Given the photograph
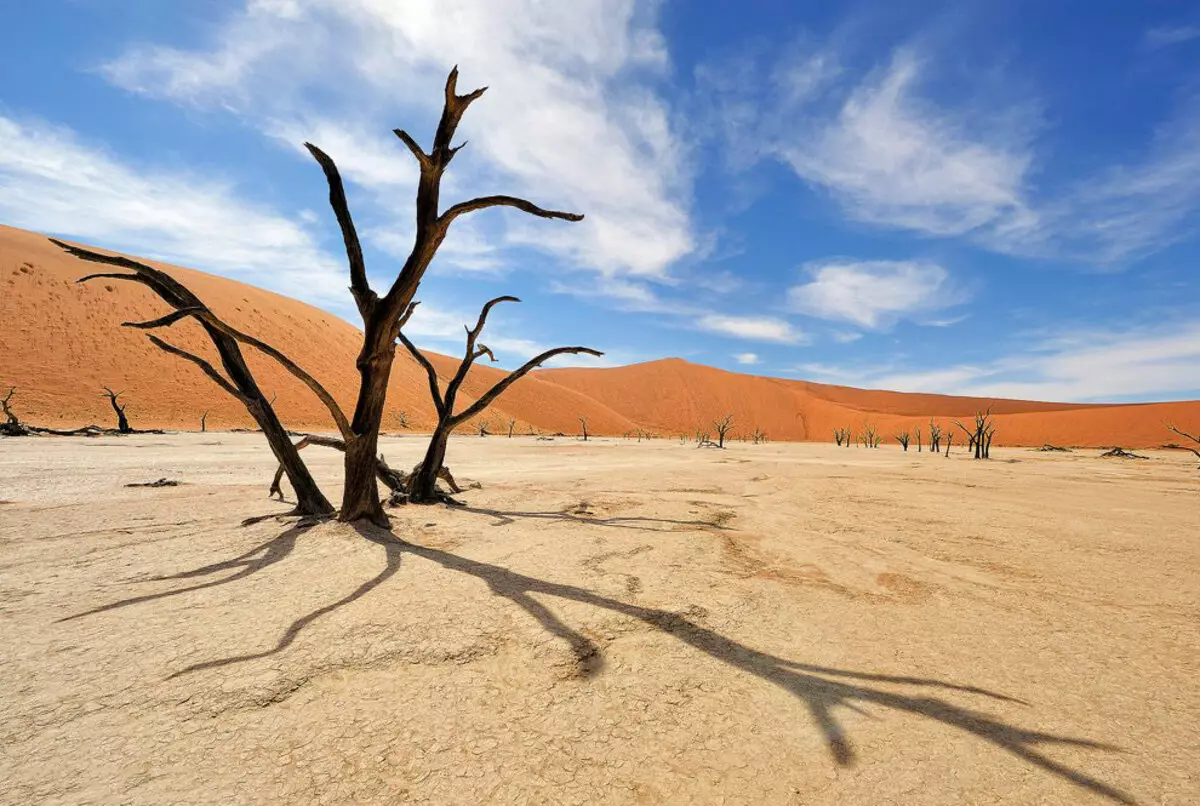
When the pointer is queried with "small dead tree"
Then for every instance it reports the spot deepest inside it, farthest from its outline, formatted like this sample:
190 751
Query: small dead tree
119 408
583 425
840 435
511 425
1193 437
979 437
759 436
917 437
871 437
422 486
903 439
482 427
722 427
402 417
12 426
949 442
238 381
204 422
935 436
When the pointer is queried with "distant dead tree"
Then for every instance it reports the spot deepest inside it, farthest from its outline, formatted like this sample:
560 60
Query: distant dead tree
979 437
871 437
422 487
12 426
935 436
482 427
949 442
759 436
583 425
402 417
1193 437
238 380
383 316
722 427
204 422
119 408
511 425
840 435
917 437
903 439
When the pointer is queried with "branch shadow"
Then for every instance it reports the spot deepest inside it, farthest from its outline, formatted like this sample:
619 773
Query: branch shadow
508 517
251 562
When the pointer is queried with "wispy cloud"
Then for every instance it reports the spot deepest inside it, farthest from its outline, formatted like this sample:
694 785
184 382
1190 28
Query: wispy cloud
572 121
1170 35
747 358
875 294
1085 366
53 181
752 328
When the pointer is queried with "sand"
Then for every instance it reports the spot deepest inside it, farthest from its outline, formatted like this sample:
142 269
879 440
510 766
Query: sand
61 341
609 622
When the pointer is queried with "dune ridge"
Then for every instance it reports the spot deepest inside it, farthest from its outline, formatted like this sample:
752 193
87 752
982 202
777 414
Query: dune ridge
60 342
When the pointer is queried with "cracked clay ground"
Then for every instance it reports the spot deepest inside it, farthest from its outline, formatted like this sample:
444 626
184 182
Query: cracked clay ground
612 622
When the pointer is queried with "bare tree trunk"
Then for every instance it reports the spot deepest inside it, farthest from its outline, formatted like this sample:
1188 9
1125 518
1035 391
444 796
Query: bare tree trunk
583 423
204 422
122 420
422 487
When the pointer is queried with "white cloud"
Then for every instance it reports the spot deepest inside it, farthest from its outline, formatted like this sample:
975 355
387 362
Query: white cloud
571 121
747 358
1170 35
752 328
873 294
52 181
891 158
1091 366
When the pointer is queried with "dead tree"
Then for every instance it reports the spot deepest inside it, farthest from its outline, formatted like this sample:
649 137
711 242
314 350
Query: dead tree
979 437
204 423
511 425
759 436
722 427
583 424
903 438
122 420
840 435
12 425
394 480
482 427
1193 437
935 436
917 437
403 418
238 381
949 442
422 487
871 437
383 316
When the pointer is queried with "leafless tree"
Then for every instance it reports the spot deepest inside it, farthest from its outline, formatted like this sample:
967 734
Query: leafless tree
482 427
238 381
722 427
903 439
204 422
979 437
383 316
871 437
759 436
422 486
12 425
840 435
583 425
949 442
935 436
1193 437
512 423
119 408
402 417
917 437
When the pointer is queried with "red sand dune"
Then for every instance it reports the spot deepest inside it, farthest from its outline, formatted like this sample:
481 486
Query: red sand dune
60 342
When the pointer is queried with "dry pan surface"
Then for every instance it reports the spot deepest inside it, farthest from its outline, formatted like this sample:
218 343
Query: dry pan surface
609 622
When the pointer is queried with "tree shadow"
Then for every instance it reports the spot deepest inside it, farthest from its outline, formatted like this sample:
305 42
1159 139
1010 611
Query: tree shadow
251 562
507 517
821 689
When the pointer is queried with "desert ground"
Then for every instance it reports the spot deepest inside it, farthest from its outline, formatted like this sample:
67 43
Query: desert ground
604 622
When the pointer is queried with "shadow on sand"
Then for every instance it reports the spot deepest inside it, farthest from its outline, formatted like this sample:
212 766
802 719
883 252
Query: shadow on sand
820 689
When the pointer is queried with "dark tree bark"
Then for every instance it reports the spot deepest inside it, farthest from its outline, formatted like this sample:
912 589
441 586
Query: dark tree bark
917 437
583 423
204 422
12 425
382 316
422 488
722 427
935 437
949 442
240 382
979 437
511 425
903 439
122 420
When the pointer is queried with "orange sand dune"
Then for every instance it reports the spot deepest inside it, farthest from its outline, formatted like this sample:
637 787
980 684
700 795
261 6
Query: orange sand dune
60 342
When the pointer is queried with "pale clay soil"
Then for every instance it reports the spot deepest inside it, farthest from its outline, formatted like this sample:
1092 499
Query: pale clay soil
609 622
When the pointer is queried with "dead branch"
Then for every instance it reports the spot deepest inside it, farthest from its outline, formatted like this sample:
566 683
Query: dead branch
1121 453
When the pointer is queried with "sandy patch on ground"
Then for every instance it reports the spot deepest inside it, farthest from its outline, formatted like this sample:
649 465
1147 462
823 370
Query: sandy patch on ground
606 623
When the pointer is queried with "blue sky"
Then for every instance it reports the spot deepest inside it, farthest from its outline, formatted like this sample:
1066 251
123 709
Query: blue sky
976 198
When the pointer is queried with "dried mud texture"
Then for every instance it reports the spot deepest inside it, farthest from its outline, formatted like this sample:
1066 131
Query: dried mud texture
608 622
